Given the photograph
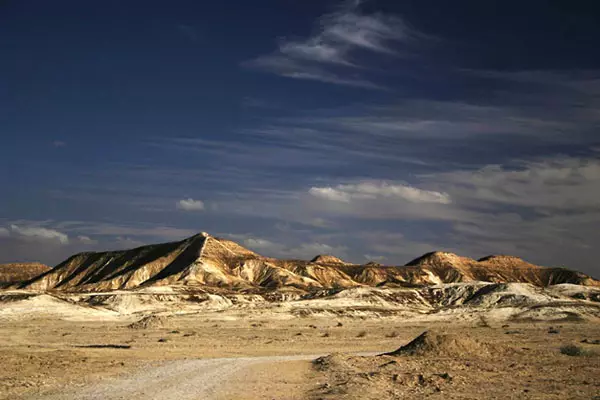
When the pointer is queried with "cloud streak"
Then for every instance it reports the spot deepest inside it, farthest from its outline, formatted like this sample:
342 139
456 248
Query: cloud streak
374 190
330 51
38 233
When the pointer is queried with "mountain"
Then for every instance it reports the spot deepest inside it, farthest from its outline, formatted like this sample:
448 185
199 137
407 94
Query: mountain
14 273
206 261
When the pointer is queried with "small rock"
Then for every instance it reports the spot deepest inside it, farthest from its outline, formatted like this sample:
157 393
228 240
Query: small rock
591 341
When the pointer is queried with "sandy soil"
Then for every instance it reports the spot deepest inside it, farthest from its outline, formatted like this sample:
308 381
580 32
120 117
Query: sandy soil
53 358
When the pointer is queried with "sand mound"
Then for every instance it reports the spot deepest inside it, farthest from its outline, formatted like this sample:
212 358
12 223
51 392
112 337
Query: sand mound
447 345
149 322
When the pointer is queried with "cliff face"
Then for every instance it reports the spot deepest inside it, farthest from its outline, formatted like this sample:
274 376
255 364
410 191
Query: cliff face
203 260
14 273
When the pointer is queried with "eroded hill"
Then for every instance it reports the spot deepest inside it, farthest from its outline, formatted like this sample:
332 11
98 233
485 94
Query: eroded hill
14 273
206 261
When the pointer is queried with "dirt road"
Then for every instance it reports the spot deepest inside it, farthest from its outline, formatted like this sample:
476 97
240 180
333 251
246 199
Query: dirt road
177 380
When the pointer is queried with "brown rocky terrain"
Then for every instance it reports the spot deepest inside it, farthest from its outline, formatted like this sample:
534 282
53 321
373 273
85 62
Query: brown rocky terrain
205 261
14 273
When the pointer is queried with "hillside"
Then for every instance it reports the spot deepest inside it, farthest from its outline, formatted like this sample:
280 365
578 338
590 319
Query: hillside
14 273
203 260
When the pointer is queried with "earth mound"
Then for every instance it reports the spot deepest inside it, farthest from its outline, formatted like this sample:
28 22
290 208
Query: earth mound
149 322
446 345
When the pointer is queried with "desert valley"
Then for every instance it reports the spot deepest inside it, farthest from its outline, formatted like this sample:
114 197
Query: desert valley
205 318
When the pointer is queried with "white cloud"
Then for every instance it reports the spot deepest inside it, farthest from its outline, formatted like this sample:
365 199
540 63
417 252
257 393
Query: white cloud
190 204
373 190
4 233
59 143
336 38
38 233
330 193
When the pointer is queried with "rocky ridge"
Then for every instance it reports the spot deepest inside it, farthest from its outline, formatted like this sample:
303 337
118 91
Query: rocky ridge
13 273
205 261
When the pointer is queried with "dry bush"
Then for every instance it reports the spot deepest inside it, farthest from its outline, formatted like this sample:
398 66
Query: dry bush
573 350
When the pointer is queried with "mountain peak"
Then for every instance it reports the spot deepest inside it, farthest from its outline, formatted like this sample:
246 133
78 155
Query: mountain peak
203 234
502 260
327 259
436 257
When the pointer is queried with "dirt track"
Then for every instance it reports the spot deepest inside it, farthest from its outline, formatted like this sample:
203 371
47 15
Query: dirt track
177 380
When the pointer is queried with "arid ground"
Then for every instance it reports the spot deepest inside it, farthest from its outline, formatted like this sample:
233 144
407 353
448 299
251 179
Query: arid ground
217 356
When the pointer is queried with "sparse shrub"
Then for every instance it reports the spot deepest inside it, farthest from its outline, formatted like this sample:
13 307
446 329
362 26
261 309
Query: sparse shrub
339 324
326 334
572 350
392 334
362 334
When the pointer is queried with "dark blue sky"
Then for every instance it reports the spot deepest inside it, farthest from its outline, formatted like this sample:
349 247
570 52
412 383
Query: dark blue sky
368 129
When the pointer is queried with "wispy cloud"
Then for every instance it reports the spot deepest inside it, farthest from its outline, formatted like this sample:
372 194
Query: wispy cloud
558 183
372 190
329 54
38 233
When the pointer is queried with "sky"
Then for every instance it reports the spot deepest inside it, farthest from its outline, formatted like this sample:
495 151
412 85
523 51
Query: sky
372 130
